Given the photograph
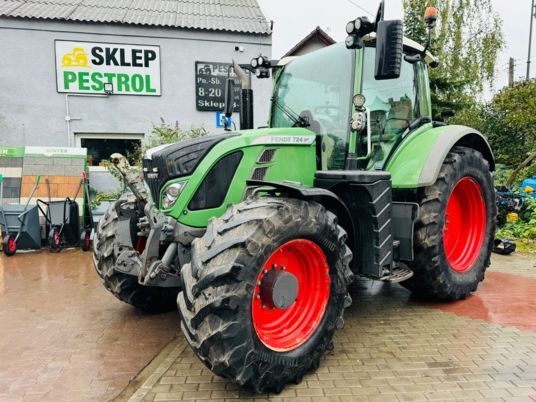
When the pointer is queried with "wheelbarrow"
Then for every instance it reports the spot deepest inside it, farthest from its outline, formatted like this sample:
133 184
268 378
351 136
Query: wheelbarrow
62 220
19 224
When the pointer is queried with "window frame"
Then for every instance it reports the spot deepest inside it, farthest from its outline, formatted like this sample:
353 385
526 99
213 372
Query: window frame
105 136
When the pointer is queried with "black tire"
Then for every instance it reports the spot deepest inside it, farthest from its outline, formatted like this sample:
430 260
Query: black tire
126 287
85 239
434 275
54 241
216 301
9 246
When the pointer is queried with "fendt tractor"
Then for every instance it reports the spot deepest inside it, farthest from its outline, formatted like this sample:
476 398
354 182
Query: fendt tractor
257 234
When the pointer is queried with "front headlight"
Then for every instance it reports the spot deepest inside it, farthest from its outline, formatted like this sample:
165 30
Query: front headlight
171 194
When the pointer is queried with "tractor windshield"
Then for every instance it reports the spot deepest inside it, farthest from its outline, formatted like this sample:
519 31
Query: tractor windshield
315 90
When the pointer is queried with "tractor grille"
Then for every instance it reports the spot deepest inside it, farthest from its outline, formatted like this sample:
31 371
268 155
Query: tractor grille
154 180
267 156
248 193
259 173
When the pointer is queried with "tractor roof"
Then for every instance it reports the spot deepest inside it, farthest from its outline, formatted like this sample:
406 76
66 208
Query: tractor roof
409 45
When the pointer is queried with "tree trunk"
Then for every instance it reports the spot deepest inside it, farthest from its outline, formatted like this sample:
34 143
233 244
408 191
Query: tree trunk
518 169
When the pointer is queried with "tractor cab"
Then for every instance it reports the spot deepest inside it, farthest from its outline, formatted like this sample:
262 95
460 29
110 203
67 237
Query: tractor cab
316 91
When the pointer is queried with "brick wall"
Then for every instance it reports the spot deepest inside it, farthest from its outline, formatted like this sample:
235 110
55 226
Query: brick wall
60 170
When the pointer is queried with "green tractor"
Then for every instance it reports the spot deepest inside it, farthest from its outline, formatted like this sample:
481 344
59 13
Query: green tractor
257 234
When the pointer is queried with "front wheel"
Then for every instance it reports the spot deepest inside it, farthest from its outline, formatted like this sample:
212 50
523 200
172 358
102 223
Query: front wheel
126 287
455 230
10 245
265 291
54 240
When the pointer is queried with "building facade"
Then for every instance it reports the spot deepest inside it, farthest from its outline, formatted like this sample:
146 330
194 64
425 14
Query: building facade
98 74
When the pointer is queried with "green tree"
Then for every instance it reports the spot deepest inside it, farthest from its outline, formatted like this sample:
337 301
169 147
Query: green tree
509 123
467 39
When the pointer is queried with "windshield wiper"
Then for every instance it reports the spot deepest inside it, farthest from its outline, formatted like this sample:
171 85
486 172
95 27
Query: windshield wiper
296 119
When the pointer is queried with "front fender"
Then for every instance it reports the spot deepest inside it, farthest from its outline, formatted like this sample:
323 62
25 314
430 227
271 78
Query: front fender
418 159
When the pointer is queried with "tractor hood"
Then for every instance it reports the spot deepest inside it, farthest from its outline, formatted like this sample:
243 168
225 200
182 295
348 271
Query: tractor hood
172 161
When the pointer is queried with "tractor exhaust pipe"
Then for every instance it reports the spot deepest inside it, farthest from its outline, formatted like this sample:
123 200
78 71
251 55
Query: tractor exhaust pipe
246 98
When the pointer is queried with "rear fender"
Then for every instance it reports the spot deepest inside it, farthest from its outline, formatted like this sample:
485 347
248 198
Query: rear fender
418 159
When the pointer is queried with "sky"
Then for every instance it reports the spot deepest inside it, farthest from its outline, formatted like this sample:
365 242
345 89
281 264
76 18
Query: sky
294 19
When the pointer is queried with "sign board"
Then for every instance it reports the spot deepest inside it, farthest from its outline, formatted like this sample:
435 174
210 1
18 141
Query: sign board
220 118
56 152
11 152
84 67
210 80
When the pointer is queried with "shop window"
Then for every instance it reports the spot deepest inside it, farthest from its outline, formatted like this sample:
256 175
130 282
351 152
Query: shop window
99 149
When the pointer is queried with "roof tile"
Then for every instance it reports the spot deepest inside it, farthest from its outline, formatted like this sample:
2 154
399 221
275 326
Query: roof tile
219 15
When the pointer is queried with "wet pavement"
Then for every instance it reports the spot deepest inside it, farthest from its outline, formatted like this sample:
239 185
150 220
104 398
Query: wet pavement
64 337
397 348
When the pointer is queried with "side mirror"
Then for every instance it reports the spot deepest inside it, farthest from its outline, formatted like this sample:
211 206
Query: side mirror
229 97
389 49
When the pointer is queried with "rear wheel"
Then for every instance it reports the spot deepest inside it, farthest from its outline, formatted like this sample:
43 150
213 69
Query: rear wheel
455 231
265 291
10 245
85 239
126 287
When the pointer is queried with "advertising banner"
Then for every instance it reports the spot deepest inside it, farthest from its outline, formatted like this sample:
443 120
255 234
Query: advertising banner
85 67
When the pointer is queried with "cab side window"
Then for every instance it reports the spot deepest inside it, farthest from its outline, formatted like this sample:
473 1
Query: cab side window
393 104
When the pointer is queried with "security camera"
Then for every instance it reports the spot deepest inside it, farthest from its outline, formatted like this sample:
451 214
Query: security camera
108 88
239 49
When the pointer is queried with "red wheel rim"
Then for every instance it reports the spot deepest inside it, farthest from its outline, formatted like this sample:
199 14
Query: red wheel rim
286 329
56 238
11 245
465 224
140 244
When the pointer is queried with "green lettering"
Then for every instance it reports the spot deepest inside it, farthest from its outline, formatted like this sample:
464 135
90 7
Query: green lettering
122 81
83 81
68 78
97 84
137 83
148 88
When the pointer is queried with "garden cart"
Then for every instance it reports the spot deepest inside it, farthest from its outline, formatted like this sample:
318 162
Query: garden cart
257 234
62 220
19 223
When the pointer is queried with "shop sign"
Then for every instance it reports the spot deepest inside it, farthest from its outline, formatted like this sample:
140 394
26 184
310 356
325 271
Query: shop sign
11 152
56 152
85 67
210 80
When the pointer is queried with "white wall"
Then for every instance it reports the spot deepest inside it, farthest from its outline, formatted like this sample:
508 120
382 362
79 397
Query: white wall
33 113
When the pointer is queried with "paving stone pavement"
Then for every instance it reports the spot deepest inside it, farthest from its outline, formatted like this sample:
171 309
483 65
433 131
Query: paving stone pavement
63 337
396 348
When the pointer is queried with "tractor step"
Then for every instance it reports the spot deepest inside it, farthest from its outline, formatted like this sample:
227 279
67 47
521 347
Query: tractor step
398 274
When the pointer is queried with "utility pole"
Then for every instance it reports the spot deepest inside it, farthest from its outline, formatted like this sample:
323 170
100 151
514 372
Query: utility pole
511 72
532 16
